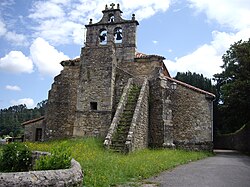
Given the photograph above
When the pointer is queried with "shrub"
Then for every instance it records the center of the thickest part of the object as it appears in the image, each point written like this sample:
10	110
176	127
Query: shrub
15	157
60	158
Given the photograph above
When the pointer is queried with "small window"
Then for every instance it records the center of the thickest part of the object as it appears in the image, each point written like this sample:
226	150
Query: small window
93	105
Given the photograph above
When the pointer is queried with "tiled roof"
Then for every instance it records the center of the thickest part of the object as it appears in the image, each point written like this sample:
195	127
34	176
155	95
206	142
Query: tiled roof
142	55
191	87
33	120
139	55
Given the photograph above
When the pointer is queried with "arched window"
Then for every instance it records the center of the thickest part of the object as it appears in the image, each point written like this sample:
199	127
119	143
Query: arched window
103	36
118	35
111	18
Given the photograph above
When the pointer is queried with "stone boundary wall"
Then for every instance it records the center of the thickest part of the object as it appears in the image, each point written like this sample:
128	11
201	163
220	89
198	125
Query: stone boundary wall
240	140
138	133
118	113
59	178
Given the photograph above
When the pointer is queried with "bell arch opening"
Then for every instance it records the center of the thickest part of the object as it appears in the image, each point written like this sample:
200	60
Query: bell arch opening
111	18
103	37
118	35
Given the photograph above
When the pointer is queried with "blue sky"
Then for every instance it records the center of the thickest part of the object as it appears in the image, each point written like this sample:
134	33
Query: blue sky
35	36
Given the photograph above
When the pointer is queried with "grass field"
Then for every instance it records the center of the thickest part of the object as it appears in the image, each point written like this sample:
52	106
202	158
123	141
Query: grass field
106	168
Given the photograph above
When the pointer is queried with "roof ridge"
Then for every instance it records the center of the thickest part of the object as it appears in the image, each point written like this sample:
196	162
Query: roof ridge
33	120
190	86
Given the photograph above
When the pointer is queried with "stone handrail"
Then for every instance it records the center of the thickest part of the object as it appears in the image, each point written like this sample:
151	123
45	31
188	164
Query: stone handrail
62	177
118	113
141	111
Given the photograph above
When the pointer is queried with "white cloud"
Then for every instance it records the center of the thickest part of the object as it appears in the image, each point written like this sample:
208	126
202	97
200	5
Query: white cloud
231	13
204	60
46	57
16	39
3	29
63	22
12	88
16	62
60	31
207	58
6	3
145	9
46	9
11	36
27	101
155	42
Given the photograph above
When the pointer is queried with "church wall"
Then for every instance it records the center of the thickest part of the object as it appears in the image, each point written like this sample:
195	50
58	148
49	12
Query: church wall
121	81
92	123
192	119
141	68
95	92
95	79
60	114
156	131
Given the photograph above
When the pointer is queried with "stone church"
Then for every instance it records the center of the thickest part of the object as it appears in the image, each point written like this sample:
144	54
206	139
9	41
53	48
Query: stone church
123	96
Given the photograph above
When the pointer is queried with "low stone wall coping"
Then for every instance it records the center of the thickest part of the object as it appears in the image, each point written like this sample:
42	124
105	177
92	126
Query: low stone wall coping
62	177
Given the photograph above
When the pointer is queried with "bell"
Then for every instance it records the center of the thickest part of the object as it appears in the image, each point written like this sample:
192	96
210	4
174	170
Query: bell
102	37
118	36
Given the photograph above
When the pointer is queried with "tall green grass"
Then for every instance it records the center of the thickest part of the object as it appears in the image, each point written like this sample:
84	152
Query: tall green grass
105	168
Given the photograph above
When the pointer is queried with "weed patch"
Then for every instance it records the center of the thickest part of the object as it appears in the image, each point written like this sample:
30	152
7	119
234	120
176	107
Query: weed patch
60	158
106	168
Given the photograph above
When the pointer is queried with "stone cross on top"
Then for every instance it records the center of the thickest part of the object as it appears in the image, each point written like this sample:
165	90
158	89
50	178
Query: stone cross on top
112	6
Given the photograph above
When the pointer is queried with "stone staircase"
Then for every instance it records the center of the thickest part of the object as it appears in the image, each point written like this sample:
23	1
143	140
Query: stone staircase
119	137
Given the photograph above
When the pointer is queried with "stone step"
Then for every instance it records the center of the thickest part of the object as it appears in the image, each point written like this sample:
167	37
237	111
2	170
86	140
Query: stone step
131	104
125	120
118	142
122	127
118	145
126	117
127	113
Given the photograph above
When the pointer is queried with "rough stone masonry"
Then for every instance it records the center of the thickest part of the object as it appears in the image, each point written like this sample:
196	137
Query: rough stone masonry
85	96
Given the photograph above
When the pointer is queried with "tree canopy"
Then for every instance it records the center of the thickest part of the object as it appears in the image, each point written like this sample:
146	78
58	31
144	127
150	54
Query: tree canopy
197	80
233	87
11	118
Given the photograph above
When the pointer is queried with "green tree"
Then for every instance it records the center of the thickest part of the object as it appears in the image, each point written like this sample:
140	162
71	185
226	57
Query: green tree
233	87
197	80
12	117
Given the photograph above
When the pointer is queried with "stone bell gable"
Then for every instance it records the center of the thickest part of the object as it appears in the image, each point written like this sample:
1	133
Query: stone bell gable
112	29
125	97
